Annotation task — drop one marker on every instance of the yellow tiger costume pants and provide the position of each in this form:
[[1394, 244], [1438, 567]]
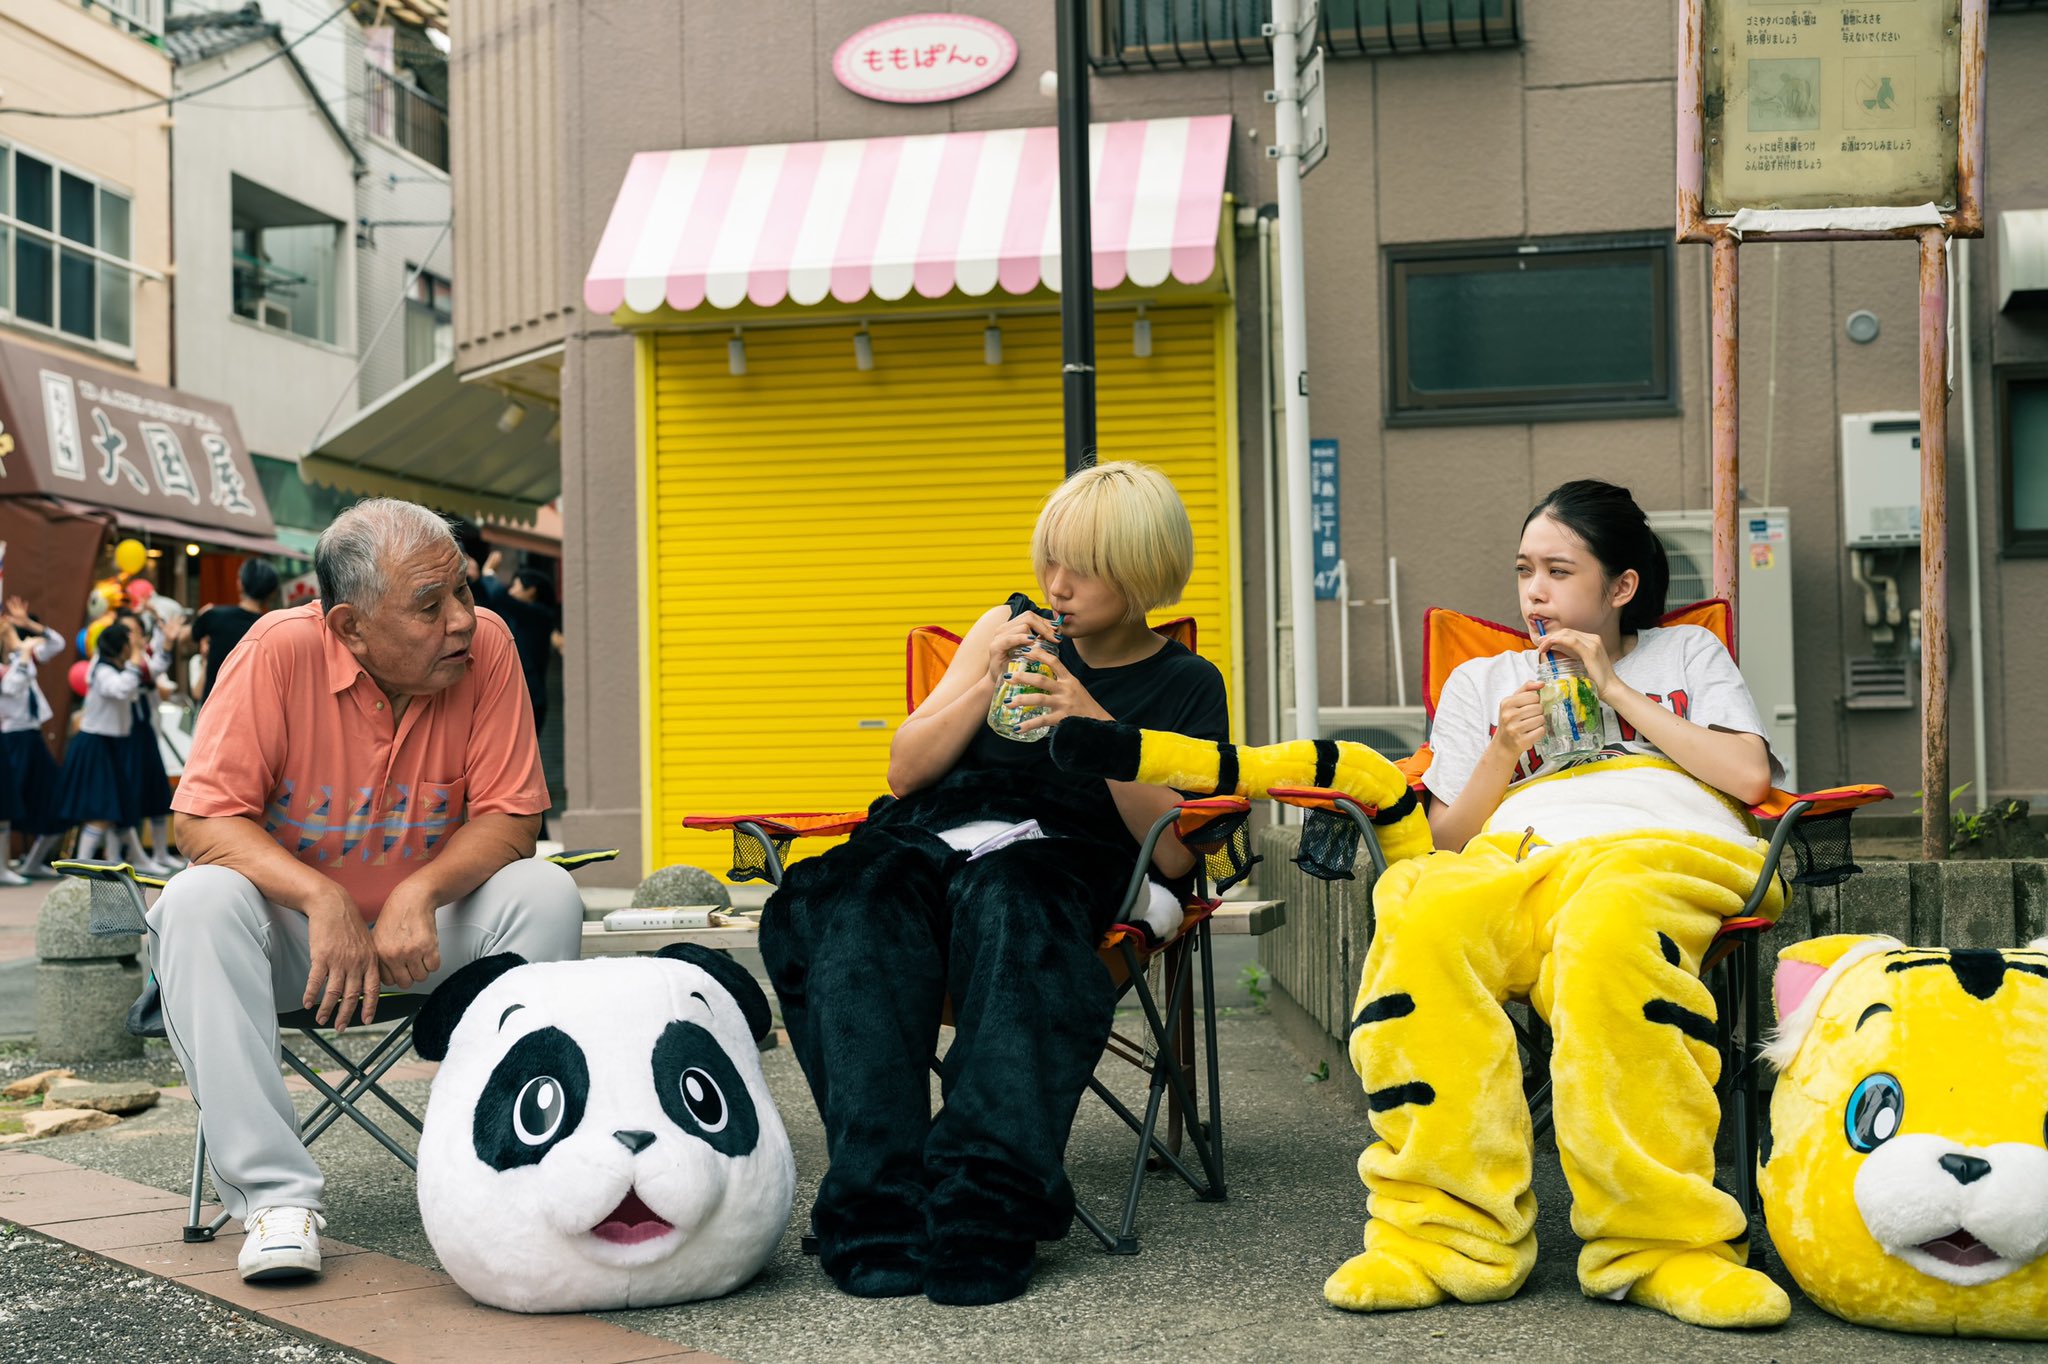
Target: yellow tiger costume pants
[[1604, 938]]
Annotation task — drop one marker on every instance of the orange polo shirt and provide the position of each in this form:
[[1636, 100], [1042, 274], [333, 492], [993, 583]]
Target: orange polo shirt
[[296, 735]]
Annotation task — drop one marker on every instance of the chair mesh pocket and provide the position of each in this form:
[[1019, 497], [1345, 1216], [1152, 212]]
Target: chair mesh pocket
[[1225, 844], [1329, 845], [750, 862], [114, 909], [1821, 853]]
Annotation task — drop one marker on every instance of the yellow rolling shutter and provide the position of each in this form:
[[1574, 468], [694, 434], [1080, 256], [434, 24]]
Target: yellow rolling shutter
[[805, 515]]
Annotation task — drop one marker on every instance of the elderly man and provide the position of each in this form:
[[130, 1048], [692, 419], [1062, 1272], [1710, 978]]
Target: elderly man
[[360, 807]]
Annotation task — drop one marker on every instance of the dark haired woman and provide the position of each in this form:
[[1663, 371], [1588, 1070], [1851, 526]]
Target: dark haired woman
[[93, 790], [1593, 890]]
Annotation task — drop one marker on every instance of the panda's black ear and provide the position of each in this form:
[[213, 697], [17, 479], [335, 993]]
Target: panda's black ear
[[737, 980], [435, 1023]]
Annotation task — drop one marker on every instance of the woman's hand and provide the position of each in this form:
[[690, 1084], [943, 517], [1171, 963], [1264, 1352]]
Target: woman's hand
[[1059, 694], [1018, 630], [1521, 721], [17, 611], [1589, 650]]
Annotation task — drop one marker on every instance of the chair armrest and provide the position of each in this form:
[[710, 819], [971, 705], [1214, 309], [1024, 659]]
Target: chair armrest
[[116, 907], [1832, 800], [759, 842], [112, 873], [572, 858]]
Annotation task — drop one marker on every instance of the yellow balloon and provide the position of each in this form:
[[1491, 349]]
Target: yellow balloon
[[130, 556], [92, 634]]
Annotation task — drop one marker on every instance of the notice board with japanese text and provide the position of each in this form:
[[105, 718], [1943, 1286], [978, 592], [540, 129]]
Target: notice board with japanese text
[[1830, 104]]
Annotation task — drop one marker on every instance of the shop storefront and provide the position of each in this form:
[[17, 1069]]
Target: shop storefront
[[88, 454], [848, 382]]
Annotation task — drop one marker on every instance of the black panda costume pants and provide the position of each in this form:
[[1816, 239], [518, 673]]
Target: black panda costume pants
[[864, 944]]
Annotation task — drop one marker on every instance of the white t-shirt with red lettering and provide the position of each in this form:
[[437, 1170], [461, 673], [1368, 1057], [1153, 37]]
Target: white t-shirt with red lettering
[[1682, 667]]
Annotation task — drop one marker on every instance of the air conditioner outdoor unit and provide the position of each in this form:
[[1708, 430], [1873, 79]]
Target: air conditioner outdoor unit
[[274, 315], [1763, 615], [1391, 731]]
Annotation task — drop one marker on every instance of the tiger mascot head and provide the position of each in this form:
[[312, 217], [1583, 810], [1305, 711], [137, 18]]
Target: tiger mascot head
[[1905, 1172]]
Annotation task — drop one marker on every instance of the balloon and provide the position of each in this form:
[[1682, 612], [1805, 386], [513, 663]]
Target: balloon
[[79, 640], [78, 676], [140, 590], [130, 556], [92, 635]]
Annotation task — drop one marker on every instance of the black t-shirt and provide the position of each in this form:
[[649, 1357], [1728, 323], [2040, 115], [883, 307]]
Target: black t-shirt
[[222, 627], [533, 627], [997, 778]]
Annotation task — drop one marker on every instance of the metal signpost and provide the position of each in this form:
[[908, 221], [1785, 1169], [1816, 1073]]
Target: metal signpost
[[1839, 120], [1293, 26]]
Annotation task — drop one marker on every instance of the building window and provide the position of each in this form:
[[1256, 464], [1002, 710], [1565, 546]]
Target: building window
[[65, 245], [287, 260], [1147, 35], [1554, 330], [2023, 459], [429, 323]]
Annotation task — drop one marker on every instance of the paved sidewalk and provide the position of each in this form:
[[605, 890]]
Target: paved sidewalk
[[1239, 1280]]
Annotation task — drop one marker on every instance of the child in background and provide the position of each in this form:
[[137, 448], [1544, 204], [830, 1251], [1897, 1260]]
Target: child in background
[[27, 770], [94, 789]]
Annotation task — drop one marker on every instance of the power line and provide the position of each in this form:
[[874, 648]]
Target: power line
[[169, 100]]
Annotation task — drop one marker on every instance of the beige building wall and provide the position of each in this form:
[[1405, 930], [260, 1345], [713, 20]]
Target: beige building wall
[[1572, 133], [516, 284], [59, 55]]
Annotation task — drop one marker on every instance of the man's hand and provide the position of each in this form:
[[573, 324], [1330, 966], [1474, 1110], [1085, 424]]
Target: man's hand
[[342, 981], [407, 943]]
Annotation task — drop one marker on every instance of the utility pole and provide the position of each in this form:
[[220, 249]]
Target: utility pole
[[1077, 247], [1290, 147]]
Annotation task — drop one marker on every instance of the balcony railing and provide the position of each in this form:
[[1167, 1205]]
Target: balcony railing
[[140, 16], [399, 113], [1152, 35]]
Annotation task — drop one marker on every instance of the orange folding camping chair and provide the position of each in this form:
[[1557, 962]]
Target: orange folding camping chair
[[1814, 825], [1215, 830]]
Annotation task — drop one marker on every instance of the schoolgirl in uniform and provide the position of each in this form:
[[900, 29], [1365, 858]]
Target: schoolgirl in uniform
[[94, 788], [27, 773]]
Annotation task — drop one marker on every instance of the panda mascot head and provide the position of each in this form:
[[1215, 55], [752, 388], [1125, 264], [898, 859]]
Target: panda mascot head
[[599, 1134]]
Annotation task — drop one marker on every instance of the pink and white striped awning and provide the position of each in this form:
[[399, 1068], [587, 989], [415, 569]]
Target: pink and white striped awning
[[886, 215]]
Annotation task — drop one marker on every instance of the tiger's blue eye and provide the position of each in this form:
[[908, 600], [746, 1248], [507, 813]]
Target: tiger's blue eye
[[1876, 1108]]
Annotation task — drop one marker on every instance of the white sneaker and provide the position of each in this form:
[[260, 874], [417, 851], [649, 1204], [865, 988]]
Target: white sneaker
[[10, 877], [280, 1243]]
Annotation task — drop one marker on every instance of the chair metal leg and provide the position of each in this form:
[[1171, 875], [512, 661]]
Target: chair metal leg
[[1213, 1139], [342, 1101], [195, 1230], [1162, 1033], [362, 1078]]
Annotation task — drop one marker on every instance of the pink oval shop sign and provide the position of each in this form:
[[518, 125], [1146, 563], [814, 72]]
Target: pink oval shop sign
[[925, 58]]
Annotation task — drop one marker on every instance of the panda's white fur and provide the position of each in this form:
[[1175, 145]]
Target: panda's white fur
[[526, 1237]]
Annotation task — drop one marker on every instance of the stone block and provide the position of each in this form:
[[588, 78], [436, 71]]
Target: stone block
[[64, 927], [1977, 904], [1878, 901], [63, 1122], [28, 1086], [82, 1009], [681, 885], [123, 1098], [2030, 897]]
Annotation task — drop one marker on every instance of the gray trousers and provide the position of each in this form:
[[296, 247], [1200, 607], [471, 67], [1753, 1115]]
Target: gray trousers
[[229, 961]]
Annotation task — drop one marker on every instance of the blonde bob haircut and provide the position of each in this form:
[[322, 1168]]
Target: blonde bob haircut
[[1122, 522]]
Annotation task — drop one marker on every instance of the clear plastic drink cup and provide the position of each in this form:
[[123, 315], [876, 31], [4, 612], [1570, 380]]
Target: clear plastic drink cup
[[1007, 720], [1575, 724]]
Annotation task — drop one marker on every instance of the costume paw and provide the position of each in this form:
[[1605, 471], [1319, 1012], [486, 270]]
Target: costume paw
[[980, 1272], [1702, 1288], [1380, 1281]]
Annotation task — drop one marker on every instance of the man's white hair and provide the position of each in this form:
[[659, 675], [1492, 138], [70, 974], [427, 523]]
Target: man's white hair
[[354, 553]]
